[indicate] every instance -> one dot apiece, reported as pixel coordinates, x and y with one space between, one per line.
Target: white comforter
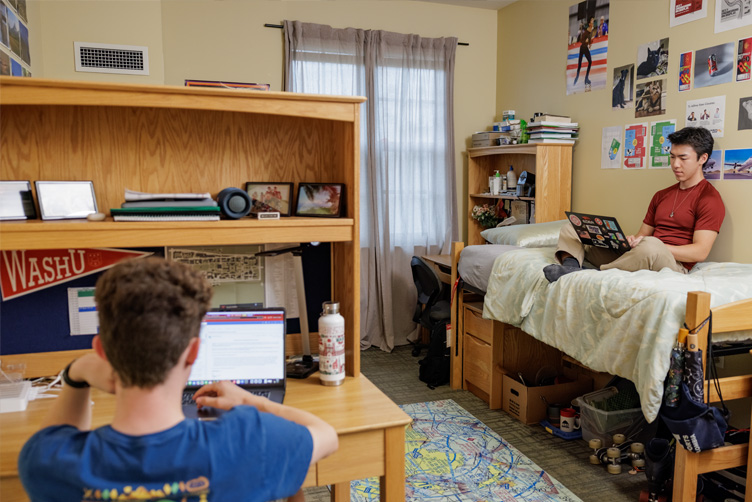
623 323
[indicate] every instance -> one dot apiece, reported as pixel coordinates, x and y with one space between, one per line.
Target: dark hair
149 310
698 138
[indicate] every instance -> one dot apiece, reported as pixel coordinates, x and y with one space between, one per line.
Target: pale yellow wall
531 77
226 40
58 23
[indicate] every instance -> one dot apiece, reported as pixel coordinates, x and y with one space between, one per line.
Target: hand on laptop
224 395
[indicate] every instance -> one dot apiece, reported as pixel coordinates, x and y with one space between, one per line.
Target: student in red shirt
679 229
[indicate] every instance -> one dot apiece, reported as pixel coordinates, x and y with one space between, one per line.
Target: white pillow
534 235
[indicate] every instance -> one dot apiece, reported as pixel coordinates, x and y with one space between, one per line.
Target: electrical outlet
720 362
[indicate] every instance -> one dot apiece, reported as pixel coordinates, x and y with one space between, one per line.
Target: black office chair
430 310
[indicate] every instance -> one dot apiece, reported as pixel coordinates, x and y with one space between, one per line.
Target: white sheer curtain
408 203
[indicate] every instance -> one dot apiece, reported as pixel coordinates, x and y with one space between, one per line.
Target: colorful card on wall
685 71
660 146
708 113
635 148
713 167
737 164
685 11
743 56
714 65
611 147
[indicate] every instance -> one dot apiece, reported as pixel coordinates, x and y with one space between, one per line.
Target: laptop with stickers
599 231
246 347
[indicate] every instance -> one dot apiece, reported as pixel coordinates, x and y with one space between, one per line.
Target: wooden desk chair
736 316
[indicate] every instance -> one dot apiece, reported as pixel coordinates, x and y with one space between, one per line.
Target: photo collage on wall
15 57
642 85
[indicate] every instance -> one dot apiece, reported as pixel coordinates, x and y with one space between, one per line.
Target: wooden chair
734 316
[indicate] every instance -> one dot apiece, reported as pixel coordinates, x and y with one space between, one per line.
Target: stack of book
140 206
553 129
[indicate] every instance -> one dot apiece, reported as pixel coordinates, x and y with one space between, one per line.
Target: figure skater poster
587 42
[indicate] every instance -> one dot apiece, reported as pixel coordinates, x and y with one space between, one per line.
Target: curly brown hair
149 310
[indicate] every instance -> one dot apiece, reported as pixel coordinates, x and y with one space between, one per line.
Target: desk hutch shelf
179 139
550 162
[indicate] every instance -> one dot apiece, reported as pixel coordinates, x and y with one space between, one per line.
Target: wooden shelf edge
523 149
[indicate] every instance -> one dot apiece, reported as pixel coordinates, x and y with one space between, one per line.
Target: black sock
554 271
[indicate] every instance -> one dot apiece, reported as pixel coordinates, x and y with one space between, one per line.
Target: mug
569 420
554 412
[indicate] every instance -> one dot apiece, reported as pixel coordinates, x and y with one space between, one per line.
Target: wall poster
714 65
745 113
730 14
622 93
660 146
611 141
713 167
587 46
635 146
708 113
652 59
743 56
650 98
685 71
737 164
685 11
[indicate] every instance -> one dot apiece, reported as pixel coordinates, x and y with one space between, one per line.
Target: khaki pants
649 254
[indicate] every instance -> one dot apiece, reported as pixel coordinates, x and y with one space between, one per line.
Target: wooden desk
442 264
371 432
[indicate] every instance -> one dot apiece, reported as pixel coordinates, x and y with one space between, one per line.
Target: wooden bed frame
734 316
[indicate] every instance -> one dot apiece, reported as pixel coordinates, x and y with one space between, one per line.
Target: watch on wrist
73 383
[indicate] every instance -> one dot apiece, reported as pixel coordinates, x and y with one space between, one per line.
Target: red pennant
29 270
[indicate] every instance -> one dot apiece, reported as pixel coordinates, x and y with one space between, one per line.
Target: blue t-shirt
245 455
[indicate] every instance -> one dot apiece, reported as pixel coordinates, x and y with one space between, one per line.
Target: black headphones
234 203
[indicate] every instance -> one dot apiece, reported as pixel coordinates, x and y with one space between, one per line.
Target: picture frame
270 196
322 200
16 201
66 200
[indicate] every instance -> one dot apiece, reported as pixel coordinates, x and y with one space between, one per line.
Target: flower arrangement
485 215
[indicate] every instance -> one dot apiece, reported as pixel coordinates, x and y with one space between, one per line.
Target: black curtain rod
269 25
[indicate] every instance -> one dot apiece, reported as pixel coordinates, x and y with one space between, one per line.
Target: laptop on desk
599 231
246 347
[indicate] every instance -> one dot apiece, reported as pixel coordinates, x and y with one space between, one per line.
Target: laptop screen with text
245 347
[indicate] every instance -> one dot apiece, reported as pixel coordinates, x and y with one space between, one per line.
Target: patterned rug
451 456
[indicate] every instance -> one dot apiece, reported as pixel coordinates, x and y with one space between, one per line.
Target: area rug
451 456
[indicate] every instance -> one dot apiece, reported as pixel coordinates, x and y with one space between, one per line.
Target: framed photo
227 85
16 201
60 200
269 196
320 199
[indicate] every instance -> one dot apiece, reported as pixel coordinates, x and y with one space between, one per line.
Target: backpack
434 368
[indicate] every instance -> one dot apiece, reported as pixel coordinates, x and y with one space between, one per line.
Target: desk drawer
477 362
477 326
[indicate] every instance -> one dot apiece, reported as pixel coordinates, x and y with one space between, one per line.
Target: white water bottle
331 345
511 178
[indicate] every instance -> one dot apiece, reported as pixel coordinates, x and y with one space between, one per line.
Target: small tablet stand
306 366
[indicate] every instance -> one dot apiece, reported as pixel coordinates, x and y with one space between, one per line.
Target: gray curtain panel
407 184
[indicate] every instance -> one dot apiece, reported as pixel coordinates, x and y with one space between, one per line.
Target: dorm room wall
227 40
531 78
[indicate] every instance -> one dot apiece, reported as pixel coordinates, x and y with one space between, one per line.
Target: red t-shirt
696 208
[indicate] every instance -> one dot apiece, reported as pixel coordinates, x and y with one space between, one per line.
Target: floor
396 374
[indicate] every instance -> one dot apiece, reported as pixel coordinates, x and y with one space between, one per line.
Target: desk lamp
306 366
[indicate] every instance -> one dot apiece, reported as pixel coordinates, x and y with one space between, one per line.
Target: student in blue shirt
150 313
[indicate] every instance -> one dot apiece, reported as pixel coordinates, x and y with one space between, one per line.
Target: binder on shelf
187 213
132 195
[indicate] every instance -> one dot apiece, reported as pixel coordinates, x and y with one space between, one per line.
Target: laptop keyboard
188 396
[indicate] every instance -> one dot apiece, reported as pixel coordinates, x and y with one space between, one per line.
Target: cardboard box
525 403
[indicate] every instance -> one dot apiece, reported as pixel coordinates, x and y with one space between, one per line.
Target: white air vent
111 58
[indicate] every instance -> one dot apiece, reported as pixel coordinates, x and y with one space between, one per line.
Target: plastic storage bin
602 424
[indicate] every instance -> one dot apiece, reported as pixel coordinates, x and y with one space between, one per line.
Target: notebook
246 347
599 231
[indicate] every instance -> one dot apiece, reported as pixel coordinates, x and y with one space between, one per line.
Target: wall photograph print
737 164
587 46
15 56
745 113
622 93
714 65
652 59
713 167
651 98
730 14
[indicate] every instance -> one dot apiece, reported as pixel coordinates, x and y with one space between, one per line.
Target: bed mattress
476 262
623 323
